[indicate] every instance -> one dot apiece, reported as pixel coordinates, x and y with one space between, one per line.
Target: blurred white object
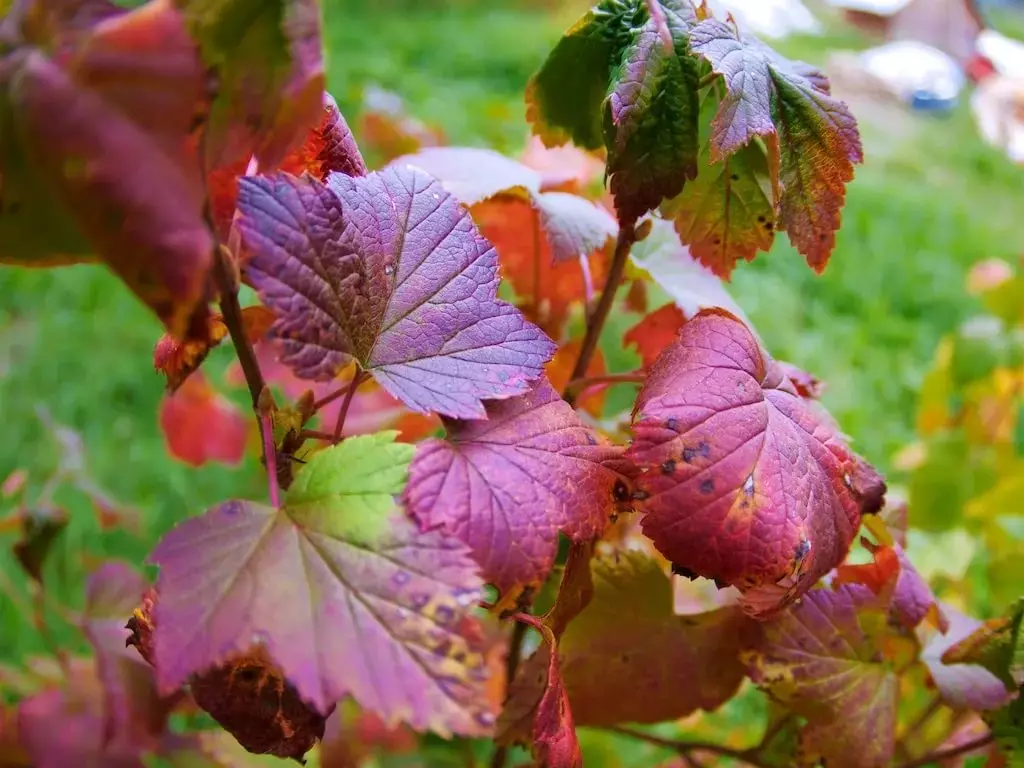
1005 53
998 106
877 7
768 18
907 69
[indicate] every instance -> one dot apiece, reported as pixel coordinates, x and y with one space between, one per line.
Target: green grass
930 201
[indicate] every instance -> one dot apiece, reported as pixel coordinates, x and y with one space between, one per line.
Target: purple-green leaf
337 586
390 270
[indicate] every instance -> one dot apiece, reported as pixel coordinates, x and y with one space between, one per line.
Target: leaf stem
314 434
748 756
707 80
946 754
577 386
227 282
595 324
358 379
328 399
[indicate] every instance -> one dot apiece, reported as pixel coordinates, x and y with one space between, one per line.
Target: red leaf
561 366
748 483
893 578
807 385
200 425
387 130
119 160
563 169
655 332
554 734
546 291
508 485
328 147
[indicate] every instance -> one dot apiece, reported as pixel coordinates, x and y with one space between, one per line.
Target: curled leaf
747 482
508 485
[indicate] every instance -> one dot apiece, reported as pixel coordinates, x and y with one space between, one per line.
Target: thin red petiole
270 454
328 399
359 378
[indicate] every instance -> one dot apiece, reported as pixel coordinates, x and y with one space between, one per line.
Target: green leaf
727 213
611 81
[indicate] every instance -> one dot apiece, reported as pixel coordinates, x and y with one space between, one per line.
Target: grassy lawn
930 201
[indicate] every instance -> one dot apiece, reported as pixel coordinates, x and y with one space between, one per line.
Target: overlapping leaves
339 590
777 152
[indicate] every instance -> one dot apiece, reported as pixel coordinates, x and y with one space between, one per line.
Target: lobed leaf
388 270
748 483
555 744
340 591
812 138
508 485
820 659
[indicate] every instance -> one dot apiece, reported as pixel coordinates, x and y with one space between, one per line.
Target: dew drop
748 485
846 480
259 638
389 269
486 719
401 578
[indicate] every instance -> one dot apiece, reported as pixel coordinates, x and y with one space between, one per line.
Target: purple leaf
508 485
962 686
340 590
575 226
390 270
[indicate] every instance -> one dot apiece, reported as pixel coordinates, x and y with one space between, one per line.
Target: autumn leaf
996 644
573 226
656 666
555 744
547 291
199 425
387 130
389 270
654 332
819 658
812 138
176 359
336 587
894 579
508 485
115 175
268 62
329 147
748 483
40 526
962 685
563 169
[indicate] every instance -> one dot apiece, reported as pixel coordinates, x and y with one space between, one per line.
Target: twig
358 379
578 386
328 399
946 754
314 434
226 279
748 756
270 456
623 244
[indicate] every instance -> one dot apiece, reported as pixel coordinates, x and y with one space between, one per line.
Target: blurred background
940 191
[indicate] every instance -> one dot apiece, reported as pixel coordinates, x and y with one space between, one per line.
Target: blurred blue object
927 101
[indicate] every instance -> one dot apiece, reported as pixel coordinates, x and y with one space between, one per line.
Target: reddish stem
227 283
595 324
358 379
328 399
313 434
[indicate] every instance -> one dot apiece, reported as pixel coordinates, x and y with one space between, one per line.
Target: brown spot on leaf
707 486
668 466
